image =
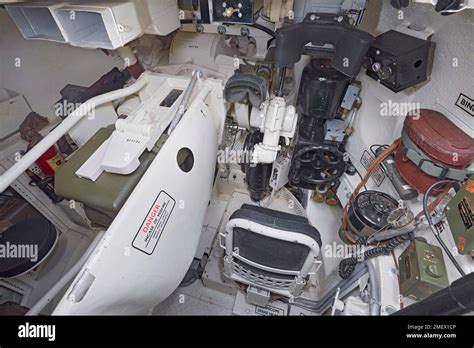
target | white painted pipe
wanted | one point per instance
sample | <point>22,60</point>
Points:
<point>51,294</point>
<point>65,126</point>
<point>185,99</point>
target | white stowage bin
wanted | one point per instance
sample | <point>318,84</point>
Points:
<point>113,24</point>
<point>107,25</point>
<point>37,21</point>
<point>13,110</point>
<point>149,247</point>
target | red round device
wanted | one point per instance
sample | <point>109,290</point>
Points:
<point>440,140</point>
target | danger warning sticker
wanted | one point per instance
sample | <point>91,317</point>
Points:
<point>154,223</point>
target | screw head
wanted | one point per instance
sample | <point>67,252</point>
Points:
<point>244,31</point>
<point>199,28</point>
<point>221,29</point>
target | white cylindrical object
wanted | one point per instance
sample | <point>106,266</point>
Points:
<point>274,122</point>
<point>31,156</point>
<point>289,122</point>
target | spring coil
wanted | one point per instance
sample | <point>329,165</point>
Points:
<point>347,266</point>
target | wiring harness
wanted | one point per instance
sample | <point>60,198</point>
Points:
<point>347,266</point>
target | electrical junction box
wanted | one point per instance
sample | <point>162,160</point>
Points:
<point>422,270</point>
<point>399,61</point>
<point>460,216</point>
<point>280,170</point>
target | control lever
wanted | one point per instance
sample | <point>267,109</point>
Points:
<point>184,101</point>
<point>337,304</point>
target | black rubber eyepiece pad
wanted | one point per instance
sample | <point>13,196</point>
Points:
<point>241,87</point>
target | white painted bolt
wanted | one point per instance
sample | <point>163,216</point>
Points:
<point>224,4</point>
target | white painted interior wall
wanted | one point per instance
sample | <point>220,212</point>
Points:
<point>454,38</point>
<point>2,49</point>
<point>46,67</point>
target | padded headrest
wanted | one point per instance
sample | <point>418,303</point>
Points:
<point>277,219</point>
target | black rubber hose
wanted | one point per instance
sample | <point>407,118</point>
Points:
<point>457,299</point>
<point>264,29</point>
<point>325,302</point>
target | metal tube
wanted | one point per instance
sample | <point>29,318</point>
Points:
<point>345,285</point>
<point>374,289</point>
<point>282,82</point>
<point>184,101</point>
<point>65,126</point>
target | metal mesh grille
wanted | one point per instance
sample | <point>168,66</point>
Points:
<point>261,279</point>
<point>289,197</point>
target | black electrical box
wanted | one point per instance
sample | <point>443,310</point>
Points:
<point>399,61</point>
